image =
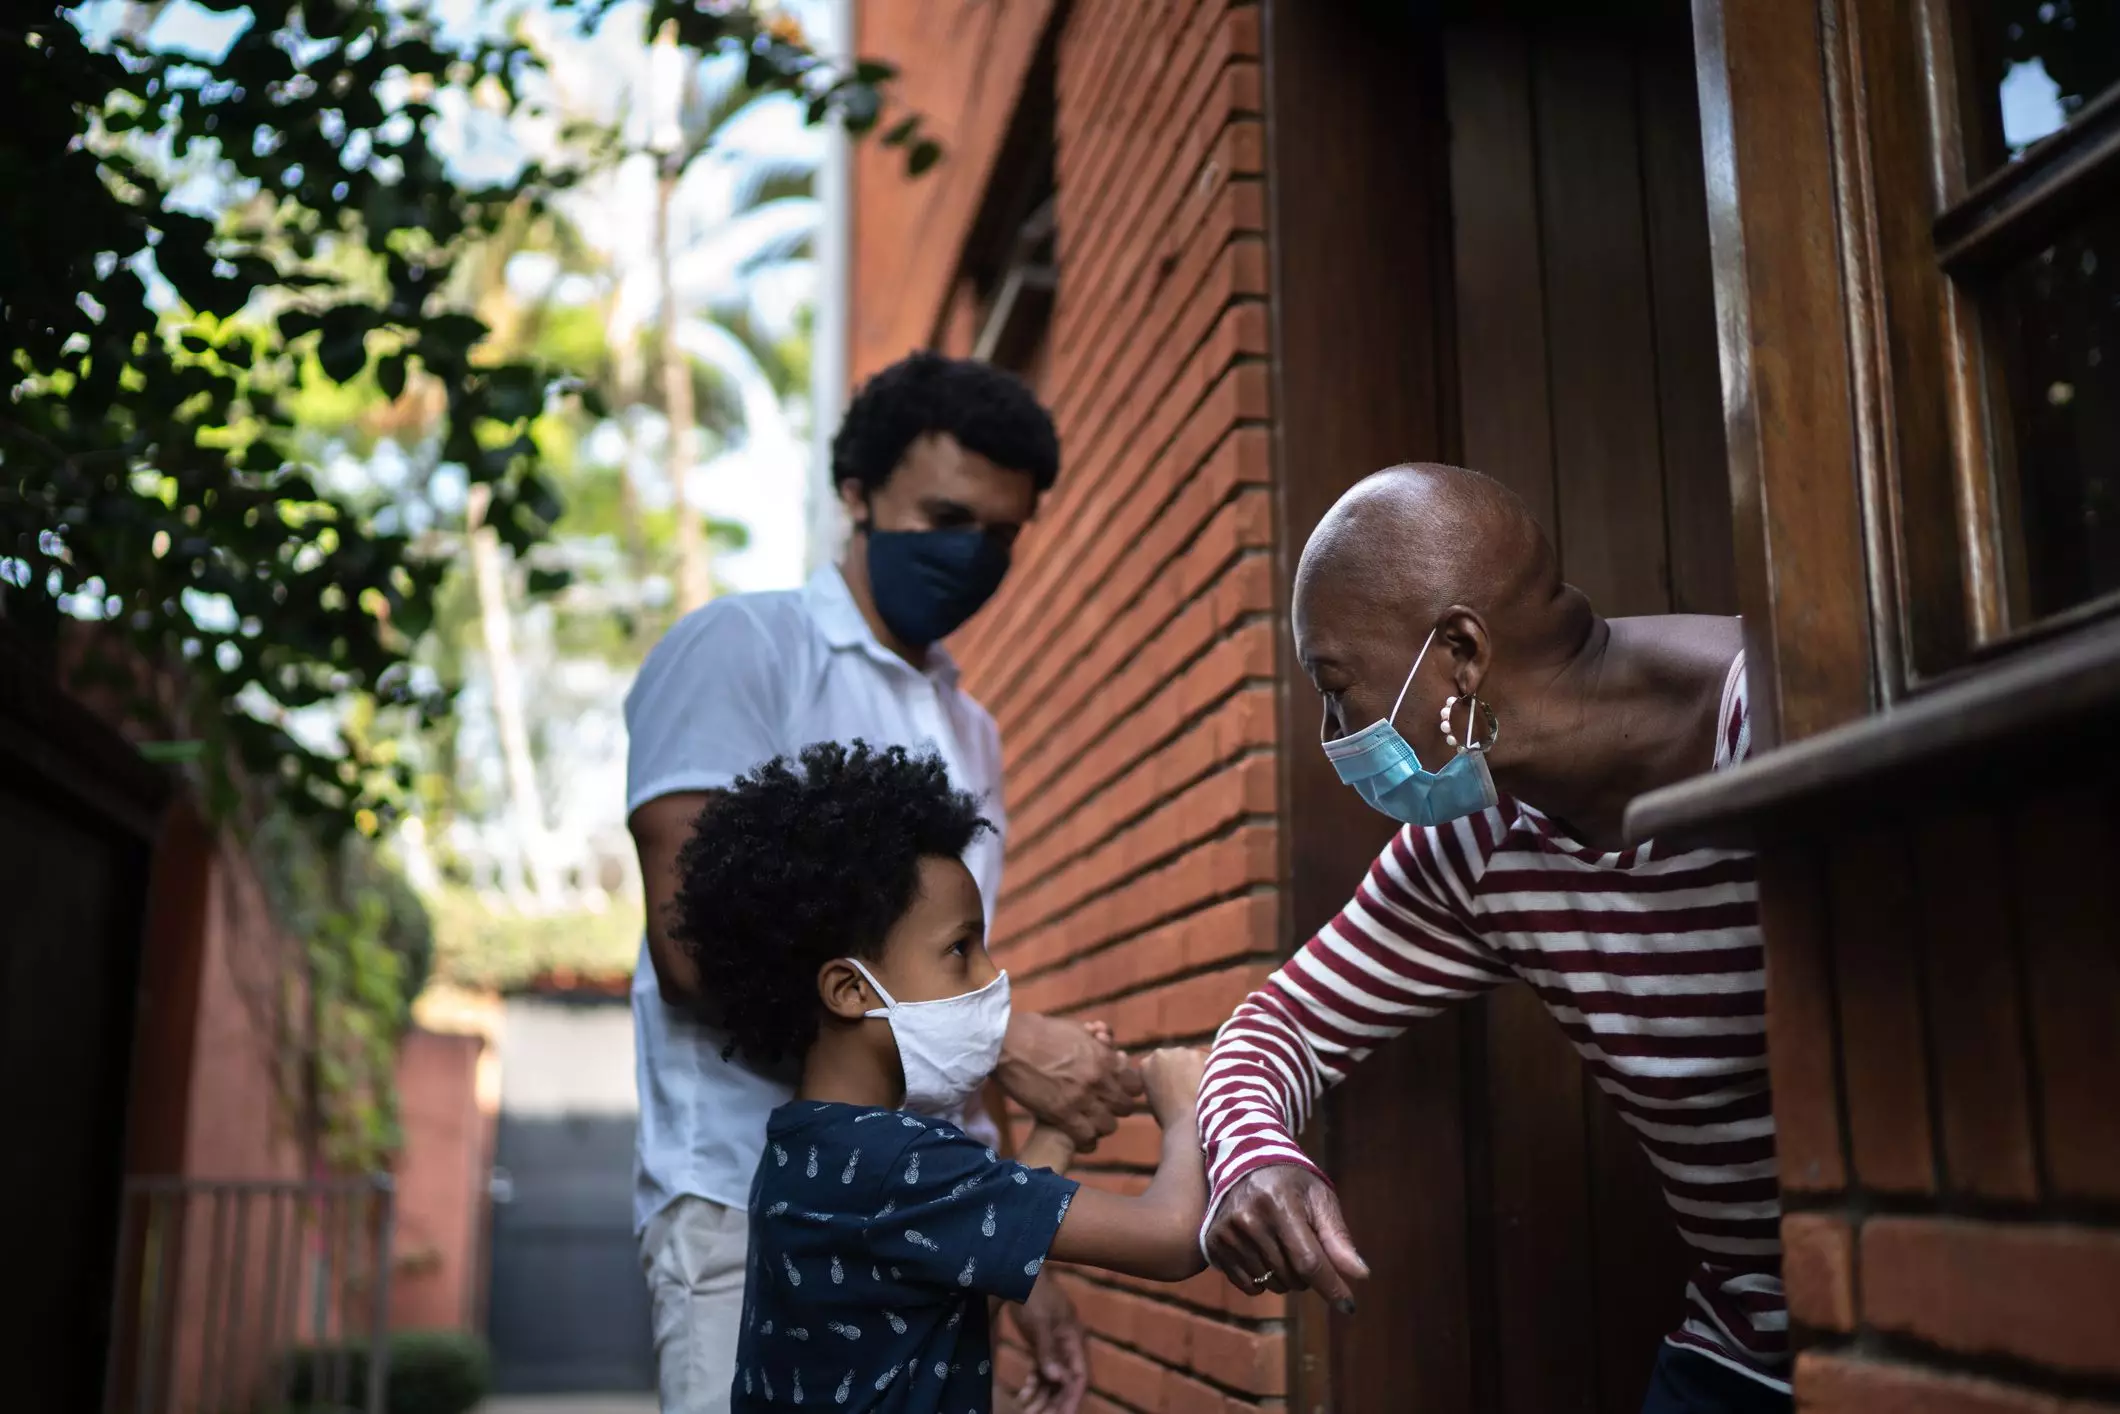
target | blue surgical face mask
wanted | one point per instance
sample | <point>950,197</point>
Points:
<point>1382,768</point>
<point>928,582</point>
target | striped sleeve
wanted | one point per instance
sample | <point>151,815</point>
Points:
<point>1733,743</point>
<point>1402,949</point>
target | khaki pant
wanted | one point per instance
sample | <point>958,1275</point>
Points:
<point>693,1254</point>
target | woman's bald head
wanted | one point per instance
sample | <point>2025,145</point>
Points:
<point>1428,547</point>
<point>1416,539</point>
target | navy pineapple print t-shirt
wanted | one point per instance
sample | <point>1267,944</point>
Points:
<point>876,1237</point>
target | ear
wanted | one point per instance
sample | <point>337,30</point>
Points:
<point>853,498</point>
<point>1462,633</point>
<point>844,992</point>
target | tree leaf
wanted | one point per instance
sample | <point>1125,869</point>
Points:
<point>859,108</point>
<point>343,350</point>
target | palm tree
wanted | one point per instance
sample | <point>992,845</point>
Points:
<point>721,214</point>
<point>769,218</point>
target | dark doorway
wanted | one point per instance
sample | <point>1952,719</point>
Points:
<point>1587,380</point>
<point>79,814</point>
<point>1492,247</point>
<point>568,1309</point>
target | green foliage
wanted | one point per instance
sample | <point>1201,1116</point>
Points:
<point>366,949</point>
<point>778,59</point>
<point>217,272</point>
<point>357,991</point>
<point>485,951</point>
<point>431,1372</point>
<point>224,255</point>
<point>149,443</point>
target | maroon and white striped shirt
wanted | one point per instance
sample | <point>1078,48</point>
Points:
<point>1649,961</point>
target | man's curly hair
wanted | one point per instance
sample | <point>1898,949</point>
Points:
<point>801,862</point>
<point>986,409</point>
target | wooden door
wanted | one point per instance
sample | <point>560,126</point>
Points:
<point>1586,378</point>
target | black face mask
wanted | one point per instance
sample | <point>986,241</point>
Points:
<point>928,582</point>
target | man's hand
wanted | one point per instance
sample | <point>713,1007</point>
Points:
<point>1280,1229</point>
<point>1066,1077</point>
<point>1059,1355</point>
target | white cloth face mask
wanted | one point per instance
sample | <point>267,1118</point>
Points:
<point>947,1047</point>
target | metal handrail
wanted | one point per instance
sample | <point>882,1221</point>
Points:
<point>209,1310</point>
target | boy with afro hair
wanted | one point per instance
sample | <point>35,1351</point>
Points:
<point>827,906</point>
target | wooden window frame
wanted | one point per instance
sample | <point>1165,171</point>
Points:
<point>1008,273</point>
<point>2011,214</point>
<point>1921,241</point>
<point>1014,316</point>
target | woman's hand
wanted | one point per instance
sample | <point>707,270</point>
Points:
<point>1280,1229</point>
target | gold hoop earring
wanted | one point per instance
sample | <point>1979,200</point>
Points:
<point>1472,703</point>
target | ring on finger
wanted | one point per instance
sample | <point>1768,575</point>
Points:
<point>1262,1278</point>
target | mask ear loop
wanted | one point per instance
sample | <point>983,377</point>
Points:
<point>877,987</point>
<point>1325,713</point>
<point>1407,686</point>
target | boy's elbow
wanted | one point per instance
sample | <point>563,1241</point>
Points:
<point>1177,1261</point>
<point>1186,1264</point>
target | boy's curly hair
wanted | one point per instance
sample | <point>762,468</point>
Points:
<point>988,411</point>
<point>801,862</point>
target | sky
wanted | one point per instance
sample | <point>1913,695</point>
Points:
<point>2031,105</point>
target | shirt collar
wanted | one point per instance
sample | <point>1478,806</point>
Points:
<point>832,607</point>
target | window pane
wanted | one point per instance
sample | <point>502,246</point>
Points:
<point>2058,316</point>
<point>2039,62</point>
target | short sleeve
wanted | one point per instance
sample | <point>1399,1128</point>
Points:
<point>958,1217</point>
<point>987,739</point>
<point>709,705</point>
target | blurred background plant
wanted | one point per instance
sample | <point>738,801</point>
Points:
<point>373,361</point>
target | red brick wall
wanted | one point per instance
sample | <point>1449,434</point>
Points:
<point>1130,658</point>
<point>441,1181</point>
<point>1946,1048</point>
<point>962,64</point>
<point>207,1103</point>
<point>240,1125</point>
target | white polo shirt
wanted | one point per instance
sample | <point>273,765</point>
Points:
<point>734,684</point>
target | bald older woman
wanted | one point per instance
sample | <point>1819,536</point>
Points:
<point>1478,698</point>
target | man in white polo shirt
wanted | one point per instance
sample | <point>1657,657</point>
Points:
<point>939,462</point>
